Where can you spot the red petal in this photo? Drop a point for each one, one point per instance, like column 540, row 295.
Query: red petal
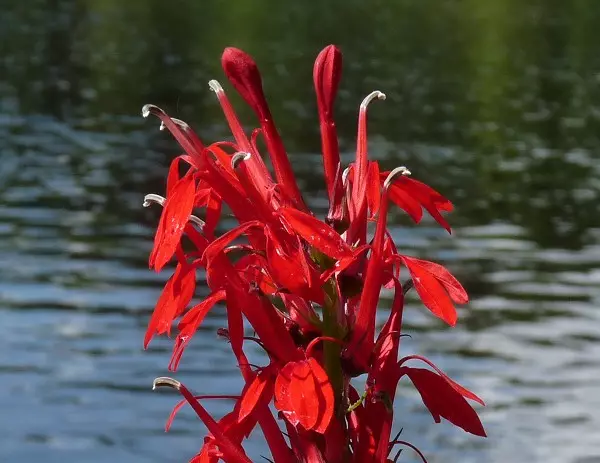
column 457, row 387
column 260, row 390
column 443, row 400
column 441, row 202
column 404, row 201
column 431, row 292
column 173, row 176
column 455, row 290
column 190, row 323
column 430, row 199
column 177, row 293
column 318, row 234
column 304, row 395
column 222, row 241
column 175, row 215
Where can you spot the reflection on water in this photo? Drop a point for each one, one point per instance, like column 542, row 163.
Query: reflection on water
column 497, row 104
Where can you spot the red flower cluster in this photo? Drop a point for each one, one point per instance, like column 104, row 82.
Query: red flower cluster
column 309, row 288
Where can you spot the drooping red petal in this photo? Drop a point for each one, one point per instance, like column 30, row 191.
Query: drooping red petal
column 189, row 324
column 318, row 234
column 406, row 202
column 173, row 219
column 260, row 391
column 177, row 293
column 425, row 191
column 455, row 290
column 411, row 195
column 222, row 241
column 443, row 401
column 304, row 395
column 432, row 291
column 460, row 389
column 173, row 176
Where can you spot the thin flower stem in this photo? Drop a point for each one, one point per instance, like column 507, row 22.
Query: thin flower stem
column 357, row 404
column 407, row 286
column 409, row 445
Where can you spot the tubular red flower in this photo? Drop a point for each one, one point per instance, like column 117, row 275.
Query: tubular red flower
column 233, row 451
column 175, row 215
column 242, row 72
column 358, row 211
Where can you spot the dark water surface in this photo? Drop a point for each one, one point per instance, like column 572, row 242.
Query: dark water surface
column 494, row 103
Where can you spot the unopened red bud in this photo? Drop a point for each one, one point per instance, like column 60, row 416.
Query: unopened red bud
column 326, row 74
column 242, row 72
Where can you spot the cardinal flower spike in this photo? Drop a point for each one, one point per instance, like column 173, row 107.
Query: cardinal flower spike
column 308, row 287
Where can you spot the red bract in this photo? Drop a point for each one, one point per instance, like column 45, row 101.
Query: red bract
column 309, row 288
column 303, row 394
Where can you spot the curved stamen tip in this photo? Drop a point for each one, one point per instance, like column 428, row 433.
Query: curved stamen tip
column 239, row 157
column 165, row 381
column 179, row 122
column 370, row 97
column 152, row 198
column 148, row 109
column 393, row 174
column 215, row 86
column 345, row 175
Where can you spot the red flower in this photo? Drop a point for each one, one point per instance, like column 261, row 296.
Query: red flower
column 308, row 288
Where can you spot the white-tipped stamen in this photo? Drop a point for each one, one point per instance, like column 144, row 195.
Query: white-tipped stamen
column 179, row 122
column 345, row 175
column 165, row 381
column 239, row 157
column 215, row 86
column 393, row 174
column 197, row 220
column 151, row 198
column 147, row 109
column 370, row 97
